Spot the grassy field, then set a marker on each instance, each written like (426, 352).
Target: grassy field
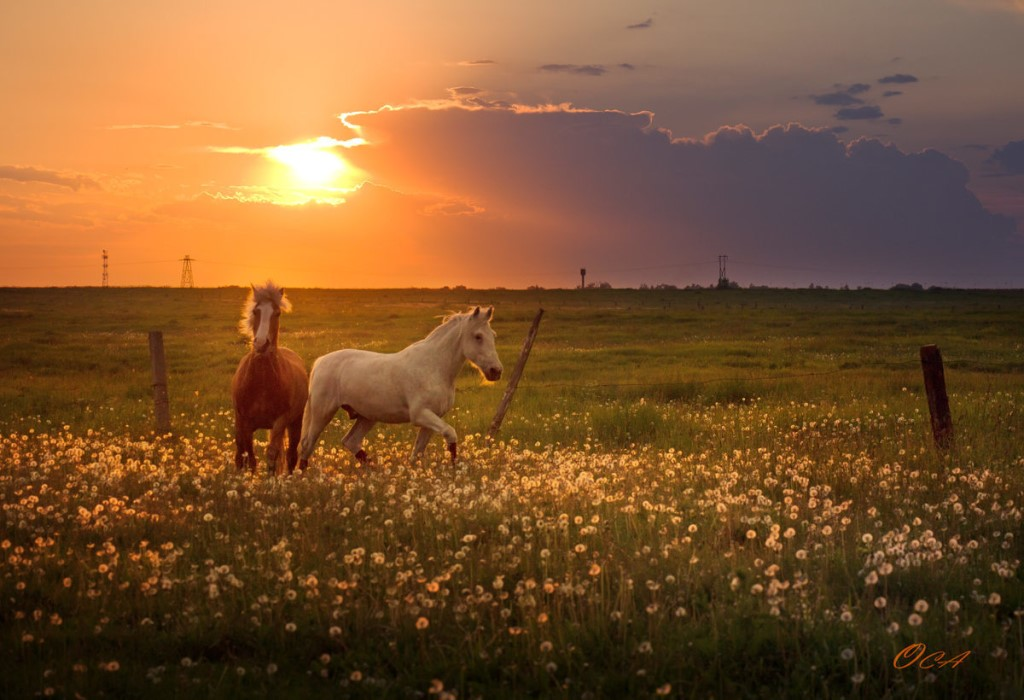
(695, 494)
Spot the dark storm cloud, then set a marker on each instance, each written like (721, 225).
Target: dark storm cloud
(898, 78)
(631, 194)
(865, 112)
(646, 24)
(1010, 157)
(836, 99)
(50, 177)
(593, 70)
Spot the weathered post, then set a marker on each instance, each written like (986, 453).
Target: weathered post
(938, 401)
(517, 372)
(161, 405)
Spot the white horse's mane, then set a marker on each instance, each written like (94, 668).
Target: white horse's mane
(257, 295)
(448, 321)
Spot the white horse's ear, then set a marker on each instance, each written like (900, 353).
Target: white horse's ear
(490, 312)
(476, 312)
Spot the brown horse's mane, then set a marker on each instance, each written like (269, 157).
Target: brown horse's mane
(257, 295)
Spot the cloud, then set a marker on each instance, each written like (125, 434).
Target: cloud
(30, 174)
(865, 112)
(478, 62)
(1010, 157)
(611, 191)
(464, 91)
(858, 88)
(592, 70)
(996, 5)
(185, 125)
(838, 99)
(897, 78)
(646, 24)
(892, 93)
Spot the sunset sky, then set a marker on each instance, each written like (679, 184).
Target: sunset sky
(395, 144)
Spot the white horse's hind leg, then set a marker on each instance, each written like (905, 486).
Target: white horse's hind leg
(314, 420)
(422, 438)
(353, 440)
(425, 418)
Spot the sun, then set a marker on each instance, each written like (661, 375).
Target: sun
(312, 164)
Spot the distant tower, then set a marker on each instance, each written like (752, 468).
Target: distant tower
(583, 278)
(723, 279)
(186, 273)
(106, 278)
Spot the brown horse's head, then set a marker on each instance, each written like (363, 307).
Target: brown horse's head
(261, 315)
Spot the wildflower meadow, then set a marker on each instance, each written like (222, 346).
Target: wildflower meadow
(696, 494)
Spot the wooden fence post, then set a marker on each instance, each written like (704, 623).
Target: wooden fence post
(161, 405)
(517, 372)
(938, 401)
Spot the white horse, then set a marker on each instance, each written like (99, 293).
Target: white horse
(415, 385)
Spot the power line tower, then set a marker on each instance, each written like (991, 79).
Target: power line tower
(106, 277)
(186, 273)
(723, 280)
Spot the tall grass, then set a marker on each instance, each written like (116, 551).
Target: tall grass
(694, 495)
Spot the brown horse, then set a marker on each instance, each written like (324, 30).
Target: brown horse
(270, 385)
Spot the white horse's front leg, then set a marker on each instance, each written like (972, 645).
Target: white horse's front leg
(425, 418)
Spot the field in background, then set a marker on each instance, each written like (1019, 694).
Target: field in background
(696, 493)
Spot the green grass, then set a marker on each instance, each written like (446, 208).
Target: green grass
(695, 493)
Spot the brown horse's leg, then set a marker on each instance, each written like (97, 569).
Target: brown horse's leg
(243, 447)
(276, 443)
(294, 433)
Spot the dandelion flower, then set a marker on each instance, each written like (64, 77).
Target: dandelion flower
(422, 623)
(953, 607)
(914, 620)
(921, 606)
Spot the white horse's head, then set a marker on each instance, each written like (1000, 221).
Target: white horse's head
(261, 315)
(478, 343)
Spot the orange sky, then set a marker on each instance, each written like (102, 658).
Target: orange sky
(216, 129)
